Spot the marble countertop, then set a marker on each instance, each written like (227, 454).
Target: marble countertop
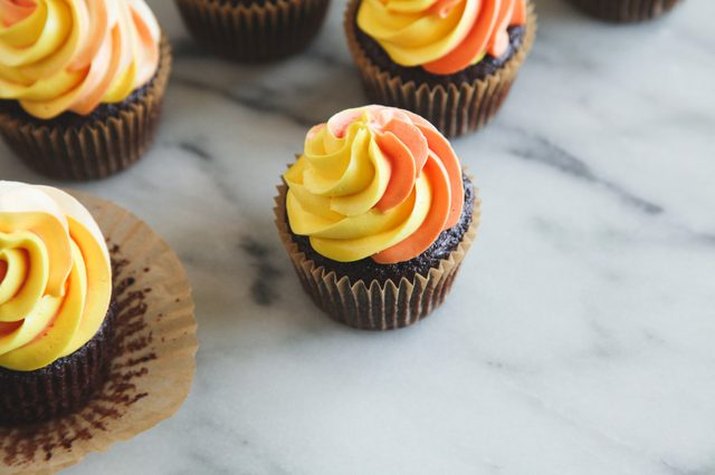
(580, 336)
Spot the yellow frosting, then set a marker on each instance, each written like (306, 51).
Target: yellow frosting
(55, 276)
(71, 55)
(374, 182)
(442, 36)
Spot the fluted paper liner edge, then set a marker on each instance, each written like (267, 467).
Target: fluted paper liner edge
(254, 32)
(625, 11)
(455, 109)
(101, 147)
(153, 369)
(374, 306)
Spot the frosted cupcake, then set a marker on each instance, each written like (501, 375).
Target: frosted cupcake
(253, 30)
(81, 83)
(451, 61)
(56, 324)
(625, 11)
(377, 217)
(97, 331)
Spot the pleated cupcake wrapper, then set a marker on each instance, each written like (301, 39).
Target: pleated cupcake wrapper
(253, 32)
(154, 362)
(455, 109)
(625, 11)
(97, 149)
(61, 387)
(374, 305)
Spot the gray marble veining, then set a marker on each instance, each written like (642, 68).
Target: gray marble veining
(579, 338)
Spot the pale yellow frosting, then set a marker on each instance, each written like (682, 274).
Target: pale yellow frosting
(55, 276)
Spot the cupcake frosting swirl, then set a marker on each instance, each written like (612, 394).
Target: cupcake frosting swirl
(374, 182)
(442, 36)
(55, 276)
(72, 55)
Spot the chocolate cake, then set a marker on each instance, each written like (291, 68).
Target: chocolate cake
(70, 120)
(253, 31)
(368, 270)
(485, 67)
(625, 11)
(28, 397)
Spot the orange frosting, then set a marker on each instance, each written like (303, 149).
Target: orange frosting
(374, 182)
(442, 36)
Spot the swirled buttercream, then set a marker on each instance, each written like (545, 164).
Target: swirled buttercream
(55, 276)
(442, 36)
(374, 182)
(71, 55)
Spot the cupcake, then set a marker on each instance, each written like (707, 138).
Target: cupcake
(625, 11)
(56, 322)
(451, 61)
(377, 216)
(90, 354)
(81, 84)
(253, 30)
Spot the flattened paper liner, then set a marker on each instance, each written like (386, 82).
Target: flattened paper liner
(455, 109)
(625, 11)
(374, 306)
(154, 364)
(99, 148)
(253, 32)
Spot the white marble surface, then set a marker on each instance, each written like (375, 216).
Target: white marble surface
(580, 337)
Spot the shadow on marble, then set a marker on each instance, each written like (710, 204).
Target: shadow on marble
(13, 169)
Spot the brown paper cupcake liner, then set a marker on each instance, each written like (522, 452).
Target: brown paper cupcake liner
(254, 31)
(455, 109)
(60, 388)
(625, 11)
(154, 360)
(374, 305)
(98, 148)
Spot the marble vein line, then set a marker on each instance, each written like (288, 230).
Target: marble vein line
(254, 103)
(195, 150)
(542, 150)
(611, 440)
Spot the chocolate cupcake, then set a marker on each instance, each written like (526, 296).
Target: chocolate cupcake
(625, 11)
(149, 331)
(253, 30)
(451, 61)
(56, 324)
(377, 216)
(81, 87)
